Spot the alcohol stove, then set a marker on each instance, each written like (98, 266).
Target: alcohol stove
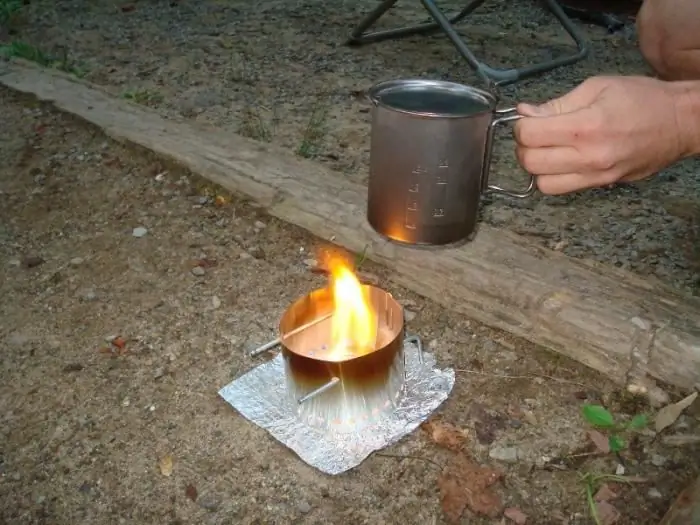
(342, 391)
(333, 410)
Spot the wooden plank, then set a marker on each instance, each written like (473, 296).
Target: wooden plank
(685, 510)
(620, 324)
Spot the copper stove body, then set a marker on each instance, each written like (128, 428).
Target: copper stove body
(335, 391)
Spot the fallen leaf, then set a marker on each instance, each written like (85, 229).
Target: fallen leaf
(670, 413)
(601, 442)
(465, 484)
(191, 492)
(445, 434)
(220, 200)
(607, 513)
(119, 342)
(452, 498)
(605, 493)
(128, 8)
(515, 515)
(166, 465)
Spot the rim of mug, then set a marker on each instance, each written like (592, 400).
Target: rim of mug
(374, 93)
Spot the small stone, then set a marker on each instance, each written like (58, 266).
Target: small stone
(619, 470)
(304, 507)
(139, 232)
(654, 493)
(16, 476)
(256, 252)
(245, 255)
(215, 302)
(259, 225)
(160, 372)
(514, 423)
(126, 402)
(658, 460)
(89, 295)
(505, 454)
(409, 315)
(77, 261)
(198, 271)
(209, 503)
(311, 263)
(530, 418)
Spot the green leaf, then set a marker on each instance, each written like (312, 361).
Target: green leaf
(598, 416)
(616, 443)
(639, 421)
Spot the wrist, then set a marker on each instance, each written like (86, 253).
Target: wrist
(687, 106)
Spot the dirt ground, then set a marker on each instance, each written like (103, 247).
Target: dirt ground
(278, 70)
(86, 425)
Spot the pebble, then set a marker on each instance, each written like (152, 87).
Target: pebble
(209, 503)
(654, 493)
(245, 255)
(505, 454)
(160, 372)
(304, 507)
(215, 302)
(657, 460)
(77, 261)
(256, 252)
(139, 232)
(197, 271)
(409, 315)
(259, 225)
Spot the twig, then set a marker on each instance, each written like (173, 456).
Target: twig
(530, 377)
(401, 456)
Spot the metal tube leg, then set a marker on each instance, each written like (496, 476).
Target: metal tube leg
(492, 76)
(358, 38)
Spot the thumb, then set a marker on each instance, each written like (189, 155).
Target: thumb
(552, 108)
(580, 97)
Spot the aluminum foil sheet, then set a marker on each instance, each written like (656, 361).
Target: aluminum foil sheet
(260, 396)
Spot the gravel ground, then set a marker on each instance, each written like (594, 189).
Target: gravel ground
(99, 241)
(277, 70)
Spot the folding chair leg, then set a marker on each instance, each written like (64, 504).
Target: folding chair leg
(490, 75)
(357, 37)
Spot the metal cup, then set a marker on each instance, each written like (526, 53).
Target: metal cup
(431, 145)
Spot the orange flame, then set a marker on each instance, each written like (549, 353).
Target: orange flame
(354, 323)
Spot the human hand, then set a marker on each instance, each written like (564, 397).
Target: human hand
(606, 130)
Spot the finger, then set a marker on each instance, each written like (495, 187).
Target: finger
(552, 161)
(560, 130)
(571, 182)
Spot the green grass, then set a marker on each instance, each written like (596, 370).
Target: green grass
(19, 49)
(8, 10)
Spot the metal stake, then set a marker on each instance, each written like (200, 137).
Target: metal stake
(269, 346)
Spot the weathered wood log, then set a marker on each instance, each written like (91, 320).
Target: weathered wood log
(686, 508)
(618, 323)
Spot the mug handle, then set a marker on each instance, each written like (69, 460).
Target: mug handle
(503, 116)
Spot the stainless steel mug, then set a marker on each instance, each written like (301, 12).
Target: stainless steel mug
(430, 154)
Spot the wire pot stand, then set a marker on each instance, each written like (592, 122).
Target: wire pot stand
(490, 75)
